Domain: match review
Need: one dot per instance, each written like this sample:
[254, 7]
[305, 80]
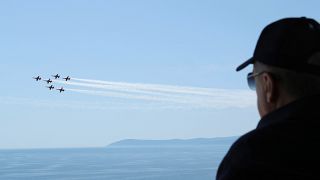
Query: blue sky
[177, 43]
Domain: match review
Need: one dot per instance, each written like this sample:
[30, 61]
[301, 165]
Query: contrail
[147, 95]
[191, 101]
[123, 95]
[200, 97]
[164, 88]
[166, 93]
[157, 89]
[109, 87]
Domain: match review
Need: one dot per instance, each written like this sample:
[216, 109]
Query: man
[286, 77]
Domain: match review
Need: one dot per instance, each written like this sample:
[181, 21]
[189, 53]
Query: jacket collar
[301, 109]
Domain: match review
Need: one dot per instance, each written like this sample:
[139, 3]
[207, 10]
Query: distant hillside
[175, 142]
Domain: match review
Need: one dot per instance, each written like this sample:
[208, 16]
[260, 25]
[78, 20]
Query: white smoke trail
[194, 101]
[124, 95]
[109, 87]
[164, 88]
[191, 96]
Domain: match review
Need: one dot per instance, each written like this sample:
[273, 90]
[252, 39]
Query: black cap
[288, 43]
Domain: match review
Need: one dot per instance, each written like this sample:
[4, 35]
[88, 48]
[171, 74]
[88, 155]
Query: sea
[113, 163]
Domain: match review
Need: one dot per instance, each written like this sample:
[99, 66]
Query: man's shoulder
[285, 149]
[278, 139]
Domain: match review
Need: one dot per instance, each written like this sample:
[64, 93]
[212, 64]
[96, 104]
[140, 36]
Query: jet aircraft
[37, 78]
[48, 81]
[67, 78]
[50, 87]
[61, 89]
[57, 76]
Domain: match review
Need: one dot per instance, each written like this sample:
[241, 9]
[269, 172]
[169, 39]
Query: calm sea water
[158, 163]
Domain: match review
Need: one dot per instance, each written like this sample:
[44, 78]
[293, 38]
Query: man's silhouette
[286, 78]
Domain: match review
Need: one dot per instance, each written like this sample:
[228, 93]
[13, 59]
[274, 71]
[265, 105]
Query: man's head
[286, 63]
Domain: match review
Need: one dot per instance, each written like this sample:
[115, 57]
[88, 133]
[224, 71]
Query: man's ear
[269, 88]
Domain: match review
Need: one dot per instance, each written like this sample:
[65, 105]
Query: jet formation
[49, 81]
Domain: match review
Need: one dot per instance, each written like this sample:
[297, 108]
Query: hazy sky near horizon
[158, 69]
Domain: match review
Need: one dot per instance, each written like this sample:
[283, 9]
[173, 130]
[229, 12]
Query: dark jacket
[285, 145]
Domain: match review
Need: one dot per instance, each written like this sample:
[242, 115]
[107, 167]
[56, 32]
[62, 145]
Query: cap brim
[245, 64]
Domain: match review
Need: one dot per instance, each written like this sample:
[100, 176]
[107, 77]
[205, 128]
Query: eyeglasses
[251, 80]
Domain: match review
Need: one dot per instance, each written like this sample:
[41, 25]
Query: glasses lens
[251, 81]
